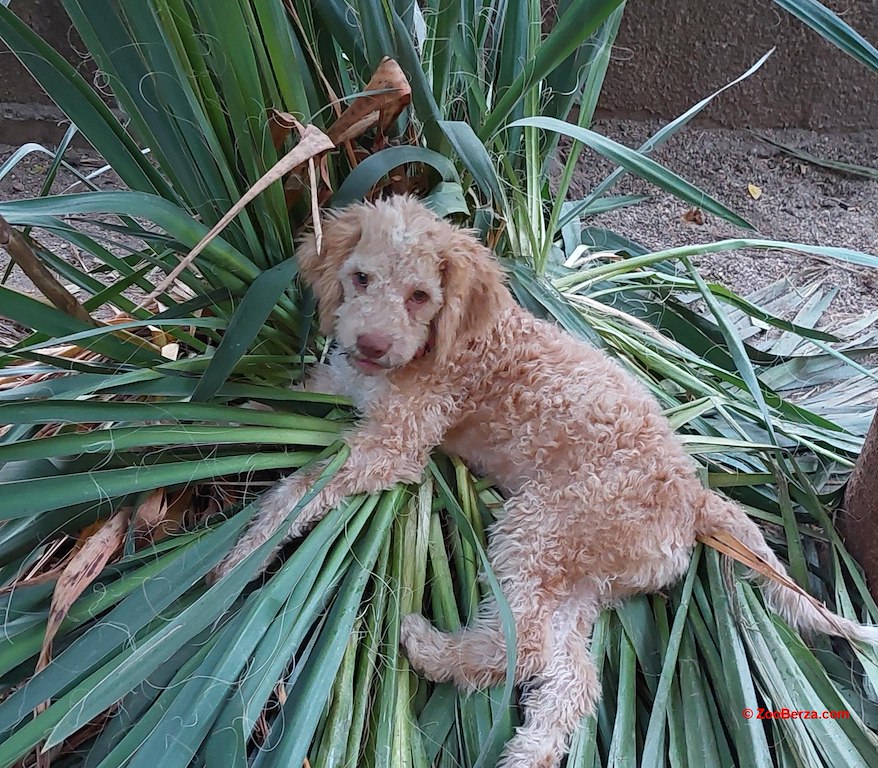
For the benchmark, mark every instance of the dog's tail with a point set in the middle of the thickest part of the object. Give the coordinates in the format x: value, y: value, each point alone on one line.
x: 718, y: 516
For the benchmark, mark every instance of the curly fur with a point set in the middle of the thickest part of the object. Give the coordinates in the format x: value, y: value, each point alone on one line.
x: 602, y: 501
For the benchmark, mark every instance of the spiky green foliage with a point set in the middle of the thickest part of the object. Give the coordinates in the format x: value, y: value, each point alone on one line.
x: 151, y: 667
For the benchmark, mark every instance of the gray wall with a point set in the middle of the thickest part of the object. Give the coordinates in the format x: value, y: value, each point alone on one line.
x: 26, y: 113
x: 670, y: 54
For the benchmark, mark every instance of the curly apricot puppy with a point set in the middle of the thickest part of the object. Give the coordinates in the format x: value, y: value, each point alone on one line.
x: 602, y: 500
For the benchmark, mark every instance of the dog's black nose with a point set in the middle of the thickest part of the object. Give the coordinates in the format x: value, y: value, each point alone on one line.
x: 372, y: 345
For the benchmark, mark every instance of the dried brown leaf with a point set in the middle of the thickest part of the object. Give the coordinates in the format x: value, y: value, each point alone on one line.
x: 280, y: 124
x: 694, y: 216
x: 388, y: 93
x: 152, y: 511
x: 161, y: 515
x: 178, y: 507
x: 312, y: 142
x: 82, y: 569
x: 18, y: 247
x: 728, y: 545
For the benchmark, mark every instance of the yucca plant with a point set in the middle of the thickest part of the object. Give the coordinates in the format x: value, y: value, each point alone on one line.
x: 134, y: 446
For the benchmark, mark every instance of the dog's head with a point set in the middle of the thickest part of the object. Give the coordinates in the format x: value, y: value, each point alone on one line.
x: 395, y: 283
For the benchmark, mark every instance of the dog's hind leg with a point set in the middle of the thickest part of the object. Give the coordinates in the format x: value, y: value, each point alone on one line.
x: 475, y: 657
x: 472, y: 658
x: 565, y: 691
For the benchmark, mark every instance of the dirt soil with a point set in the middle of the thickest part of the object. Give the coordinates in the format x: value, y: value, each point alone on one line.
x: 26, y: 180
x: 799, y: 202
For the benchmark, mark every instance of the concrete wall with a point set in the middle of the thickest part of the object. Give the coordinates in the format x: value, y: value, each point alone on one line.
x: 26, y: 113
x: 670, y: 54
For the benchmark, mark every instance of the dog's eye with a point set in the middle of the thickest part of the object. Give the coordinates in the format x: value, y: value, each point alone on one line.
x: 361, y: 279
x: 419, y: 297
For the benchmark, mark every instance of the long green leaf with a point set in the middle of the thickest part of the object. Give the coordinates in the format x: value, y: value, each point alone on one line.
x: 245, y: 325
x: 832, y: 28
x: 20, y: 498
x: 657, y: 139
x: 638, y: 164
x: 474, y: 156
x: 581, y: 18
x: 290, y: 737
x: 361, y: 180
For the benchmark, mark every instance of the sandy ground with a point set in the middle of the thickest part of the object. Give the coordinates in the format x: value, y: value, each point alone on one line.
x: 799, y: 202
x: 26, y: 180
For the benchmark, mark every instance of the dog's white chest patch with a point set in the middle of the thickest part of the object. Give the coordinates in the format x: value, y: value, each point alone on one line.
x: 359, y: 387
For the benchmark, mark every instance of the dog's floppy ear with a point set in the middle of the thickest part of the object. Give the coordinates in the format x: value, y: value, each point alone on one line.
x: 341, y: 233
x: 473, y: 293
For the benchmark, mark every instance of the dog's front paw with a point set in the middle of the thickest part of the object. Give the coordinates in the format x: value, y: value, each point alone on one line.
x: 273, y: 510
x: 276, y: 505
